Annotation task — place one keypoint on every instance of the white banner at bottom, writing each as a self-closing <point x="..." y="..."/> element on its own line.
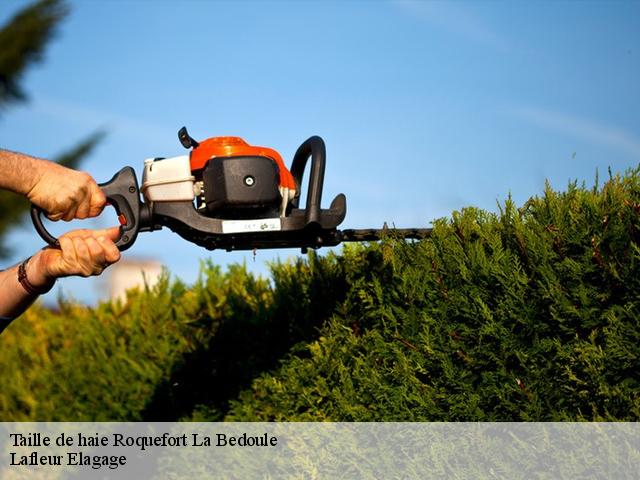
<point x="319" y="450"/>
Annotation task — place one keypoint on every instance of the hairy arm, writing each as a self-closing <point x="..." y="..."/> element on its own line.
<point x="63" y="193"/>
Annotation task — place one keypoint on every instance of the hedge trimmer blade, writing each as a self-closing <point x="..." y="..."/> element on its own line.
<point x="374" y="234"/>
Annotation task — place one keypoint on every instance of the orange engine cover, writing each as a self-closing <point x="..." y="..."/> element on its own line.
<point x="237" y="147"/>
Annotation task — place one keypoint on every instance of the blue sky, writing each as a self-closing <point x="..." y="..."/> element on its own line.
<point x="425" y="107"/>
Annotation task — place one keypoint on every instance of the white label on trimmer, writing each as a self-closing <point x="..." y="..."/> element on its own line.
<point x="258" y="225"/>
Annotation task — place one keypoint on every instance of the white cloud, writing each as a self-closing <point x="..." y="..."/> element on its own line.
<point x="578" y="127"/>
<point x="454" y="18"/>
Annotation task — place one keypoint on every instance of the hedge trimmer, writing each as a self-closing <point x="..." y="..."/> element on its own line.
<point x="231" y="195"/>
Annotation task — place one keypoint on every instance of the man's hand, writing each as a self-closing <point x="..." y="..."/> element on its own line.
<point x="65" y="194"/>
<point x="82" y="252"/>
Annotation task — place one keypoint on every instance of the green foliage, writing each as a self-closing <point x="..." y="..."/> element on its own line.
<point x="92" y="364"/>
<point x="255" y="323"/>
<point x="23" y="41"/>
<point x="528" y="314"/>
<point x="164" y="350"/>
<point x="532" y="314"/>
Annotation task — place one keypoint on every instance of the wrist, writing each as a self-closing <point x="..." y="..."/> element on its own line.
<point x="38" y="272"/>
<point x="37" y="168"/>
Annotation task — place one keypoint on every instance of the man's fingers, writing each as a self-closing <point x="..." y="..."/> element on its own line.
<point x="111" y="233"/>
<point x="58" y="212"/>
<point x="84" y="257"/>
<point x="97" y="201"/>
<point x="82" y="199"/>
<point x="67" y="259"/>
<point x="106" y="238"/>
<point x="66" y="248"/>
<point x="70" y="214"/>
<point x="111" y="252"/>
<point x="81" y="233"/>
<point x="55" y="217"/>
<point x="97" y="253"/>
<point x="95" y="250"/>
<point x="83" y="210"/>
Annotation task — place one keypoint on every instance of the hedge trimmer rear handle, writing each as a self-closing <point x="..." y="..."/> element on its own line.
<point x="123" y="194"/>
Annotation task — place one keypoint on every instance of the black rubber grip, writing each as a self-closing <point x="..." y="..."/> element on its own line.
<point x="123" y="194"/>
<point x="312" y="147"/>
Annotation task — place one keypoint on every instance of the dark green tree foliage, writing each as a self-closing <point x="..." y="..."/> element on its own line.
<point x="23" y="41"/>
<point x="532" y="314"/>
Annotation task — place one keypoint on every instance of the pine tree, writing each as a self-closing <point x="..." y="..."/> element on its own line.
<point x="24" y="39"/>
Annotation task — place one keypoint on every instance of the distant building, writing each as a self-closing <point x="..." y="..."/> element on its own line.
<point x="130" y="273"/>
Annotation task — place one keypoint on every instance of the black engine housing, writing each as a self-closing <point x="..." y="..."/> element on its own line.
<point x="241" y="187"/>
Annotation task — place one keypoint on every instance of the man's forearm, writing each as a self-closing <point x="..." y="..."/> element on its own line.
<point x="14" y="298"/>
<point x="18" y="172"/>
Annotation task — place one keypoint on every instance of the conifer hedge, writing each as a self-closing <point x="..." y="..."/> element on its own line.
<point x="532" y="313"/>
<point x="164" y="350"/>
